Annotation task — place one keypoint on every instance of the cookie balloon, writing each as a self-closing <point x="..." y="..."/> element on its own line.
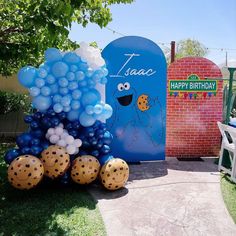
<point x="85" y="169"/>
<point x="114" y="174"/>
<point x="142" y="102"/>
<point x="55" y="160"/>
<point x="25" y="172"/>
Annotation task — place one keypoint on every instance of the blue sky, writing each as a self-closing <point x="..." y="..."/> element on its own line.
<point x="212" y="22"/>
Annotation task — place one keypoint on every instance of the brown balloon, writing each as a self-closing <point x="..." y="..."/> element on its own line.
<point x="55" y="160"/>
<point x="114" y="174"/>
<point x="85" y="169"/>
<point x="25" y="172"/>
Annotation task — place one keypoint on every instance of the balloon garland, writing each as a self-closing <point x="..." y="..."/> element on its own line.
<point x="67" y="137"/>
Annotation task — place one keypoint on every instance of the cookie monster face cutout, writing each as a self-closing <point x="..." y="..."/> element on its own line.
<point x="124" y="94"/>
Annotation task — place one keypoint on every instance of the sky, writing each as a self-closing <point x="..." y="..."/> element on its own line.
<point x="212" y="22"/>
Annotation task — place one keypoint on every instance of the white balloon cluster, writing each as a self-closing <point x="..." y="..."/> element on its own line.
<point x="91" y="55"/>
<point x="60" y="136"/>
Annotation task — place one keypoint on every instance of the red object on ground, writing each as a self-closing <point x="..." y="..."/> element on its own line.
<point x="191" y="123"/>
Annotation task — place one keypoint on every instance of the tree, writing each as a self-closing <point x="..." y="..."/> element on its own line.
<point x="28" y="27"/>
<point x="190" y="47"/>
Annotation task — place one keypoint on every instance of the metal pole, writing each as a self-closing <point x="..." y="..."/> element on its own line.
<point x="172" y="52"/>
<point x="231" y="75"/>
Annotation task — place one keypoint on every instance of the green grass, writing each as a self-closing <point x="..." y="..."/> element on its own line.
<point x="47" y="209"/>
<point x="229" y="194"/>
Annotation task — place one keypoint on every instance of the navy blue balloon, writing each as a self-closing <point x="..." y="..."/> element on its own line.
<point x="65" y="179"/>
<point x="105" y="149"/>
<point x="99" y="143"/>
<point x="36" y="150"/>
<point x="37" y="133"/>
<point x="51" y="112"/>
<point x="11" y="155"/>
<point x="73" y="132"/>
<point x="76" y="125"/>
<point x="37" y="115"/>
<point x="69" y="126"/>
<point x="28" y="119"/>
<point x="99" y="133"/>
<point x="95" y="153"/>
<point x="23" y="140"/>
<point x="45" y="144"/>
<point x="35" y="142"/>
<point x="55" y="121"/>
<point x="107" y="137"/>
<point x="26" y="150"/>
<point x="105" y="158"/>
<point x="83" y="152"/>
<point x="61" y="115"/>
<point x="34" y="125"/>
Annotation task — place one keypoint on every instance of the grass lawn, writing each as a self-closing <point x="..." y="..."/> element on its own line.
<point x="229" y="194"/>
<point x="47" y="210"/>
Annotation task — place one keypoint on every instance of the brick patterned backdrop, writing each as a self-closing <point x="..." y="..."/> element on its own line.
<point x="191" y="123"/>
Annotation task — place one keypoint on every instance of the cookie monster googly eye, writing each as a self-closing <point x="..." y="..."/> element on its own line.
<point x="126" y="86"/>
<point x="120" y="87"/>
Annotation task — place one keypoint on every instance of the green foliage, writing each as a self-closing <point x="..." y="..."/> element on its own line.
<point x="190" y="47"/>
<point x="11" y="102"/>
<point x="47" y="210"/>
<point x="28" y="28"/>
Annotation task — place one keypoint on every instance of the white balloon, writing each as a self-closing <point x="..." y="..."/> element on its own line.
<point x="54" y="138"/>
<point x="47" y="136"/>
<point x="61" y="125"/>
<point x="69" y="139"/>
<point x="58" y="131"/>
<point x="51" y="131"/>
<point x="71" y="149"/>
<point x="64" y="135"/>
<point x="76" y="150"/>
<point x="77" y="143"/>
<point x="61" y="143"/>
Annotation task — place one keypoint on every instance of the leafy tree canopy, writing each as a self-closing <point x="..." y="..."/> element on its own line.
<point x="28" y="27"/>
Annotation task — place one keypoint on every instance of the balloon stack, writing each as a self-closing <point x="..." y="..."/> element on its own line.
<point x="67" y="137"/>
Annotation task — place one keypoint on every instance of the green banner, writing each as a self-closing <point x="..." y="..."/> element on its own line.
<point x="193" y="85"/>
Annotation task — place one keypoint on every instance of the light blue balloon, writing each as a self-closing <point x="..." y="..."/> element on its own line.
<point x="73" y="115"/>
<point x="34" y="91"/>
<point x="73" y="68"/>
<point x="103" y="80"/>
<point x="91" y="83"/>
<point x="57" y="98"/>
<point x="63" y="82"/>
<point x="52" y="54"/>
<point x="72" y="85"/>
<point x="26" y="76"/>
<point x="39" y="82"/>
<point x="83" y="66"/>
<point x="45" y="67"/>
<point x="54" y="88"/>
<point x="89" y="72"/>
<point x="92" y="97"/>
<point x="66" y="108"/>
<point x="50" y="79"/>
<point x="86" y="120"/>
<point x="58" y="108"/>
<point x="71" y="58"/>
<point x="89" y="109"/>
<point x="66" y="100"/>
<point x="105" y="71"/>
<point x="79" y="75"/>
<point x="75" y="104"/>
<point x="70" y="76"/>
<point x="76" y="94"/>
<point x="45" y="91"/>
<point x="98" y="109"/>
<point x="63" y="91"/>
<point x="59" y="69"/>
<point x="42" y="73"/>
<point x="82" y="83"/>
<point x="42" y="103"/>
<point x="107" y="111"/>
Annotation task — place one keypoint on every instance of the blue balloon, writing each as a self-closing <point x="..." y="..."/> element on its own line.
<point x="107" y="111"/>
<point x="89" y="72"/>
<point x="50" y="79"/>
<point x="63" y="91"/>
<point x="39" y="82"/>
<point x="83" y="66"/>
<point x="103" y="80"/>
<point x="91" y="83"/>
<point x="55" y="121"/>
<point x="105" y="149"/>
<point x="26" y="76"/>
<point x="42" y="103"/>
<point x="86" y="120"/>
<point x="58" y="108"/>
<point x="104" y="159"/>
<point x="98" y="109"/>
<point x="73" y="85"/>
<point x="61" y="115"/>
<point x="34" y="125"/>
<point x="37" y="115"/>
<point x="57" y="98"/>
<point x="59" y="69"/>
<point x="34" y="91"/>
<point x="66" y="108"/>
<point x="54" y="88"/>
<point x="73" y="132"/>
<point x="66" y="100"/>
<point x="45" y="91"/>
<point x="79" y="75"/>
<point x="34" y="142"/>
<point x="42" y="73"/>
<point x="92" y="97"/>
<point x="89" y="109"/>
<point x="73" y="68"/>
<point x="107" y="138"/>
<point x="99" y="143"/>
<point x="71" y="58"/>
<point x="28" y="119"/>
<point x="52" y="54"/>
<point x="51" y="112"/>
<point x="46" y="122"/>
<point x="37" y="133"/>
<point x="36" y="150"/>
<point x="75" y="104"/>
<point x="83" y="83"/>
<point x="23" y="140"/>
<point x="73" y="115"/>
<point x="45" y="66"/>
<point x="63" y="82"/>
<point x="26" y="150"/>
<point x="76" y="124"/>
<point x="70" y="76"/>
<point x="95" y="153"/>
<point x="76" y="94"/>
<point x="11" y="155"/>
<point x="45" y="144"/>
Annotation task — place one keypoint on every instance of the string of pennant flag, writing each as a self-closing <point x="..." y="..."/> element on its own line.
<point x="190" y="95"/>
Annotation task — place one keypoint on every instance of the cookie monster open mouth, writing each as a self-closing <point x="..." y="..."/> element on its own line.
<point x="125" y="100"/>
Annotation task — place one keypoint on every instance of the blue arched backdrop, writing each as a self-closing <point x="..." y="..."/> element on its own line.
<point x="136" y="90"/>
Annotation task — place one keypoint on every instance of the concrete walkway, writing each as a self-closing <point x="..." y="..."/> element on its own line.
<point x="167" y="198"/>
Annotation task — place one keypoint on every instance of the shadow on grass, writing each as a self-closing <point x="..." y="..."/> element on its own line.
<point x="47" y="210"/>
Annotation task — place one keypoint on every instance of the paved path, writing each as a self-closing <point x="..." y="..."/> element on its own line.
<point x="167" y="198"/>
